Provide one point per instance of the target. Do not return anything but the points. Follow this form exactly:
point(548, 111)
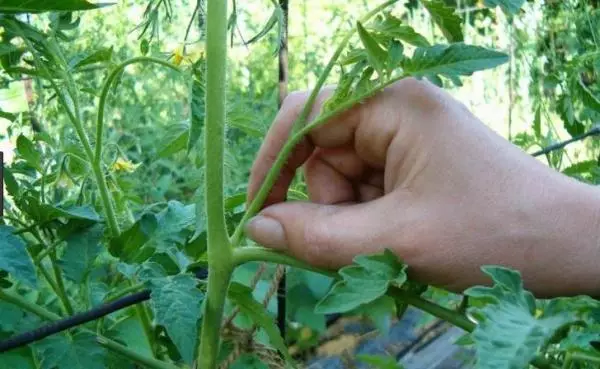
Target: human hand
point(412, 170)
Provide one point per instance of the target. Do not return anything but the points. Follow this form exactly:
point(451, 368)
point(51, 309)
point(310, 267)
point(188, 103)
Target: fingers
point(274, 141)
point(369, 128)
point(326, 236)
point(331, 175)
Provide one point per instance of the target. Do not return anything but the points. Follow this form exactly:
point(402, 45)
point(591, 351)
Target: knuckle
point(294, 99)
point(320, 241)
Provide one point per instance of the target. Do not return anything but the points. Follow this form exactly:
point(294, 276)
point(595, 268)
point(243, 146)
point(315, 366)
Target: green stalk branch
point(35, 309)
point(61, 290)
point(436, 310)
point(95, 158)
point(244, 255)
point(142, 315)
point(285, 152)
point(303, 116)
point(106, 89)
point(134, 356)
point(247, 254)
point(455, 318)
point(219, 248)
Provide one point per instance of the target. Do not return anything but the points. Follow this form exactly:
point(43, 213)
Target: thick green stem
point(31, 307)
point(210, 338)
point(219, 248)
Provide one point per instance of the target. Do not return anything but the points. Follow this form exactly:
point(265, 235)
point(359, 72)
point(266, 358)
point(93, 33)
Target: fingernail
point(267, 232)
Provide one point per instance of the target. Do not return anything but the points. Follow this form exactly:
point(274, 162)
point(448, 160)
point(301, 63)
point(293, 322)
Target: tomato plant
point(72, 257)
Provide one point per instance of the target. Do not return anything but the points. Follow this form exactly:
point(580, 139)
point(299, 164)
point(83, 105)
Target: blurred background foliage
point(534, 100)
point(548, 92)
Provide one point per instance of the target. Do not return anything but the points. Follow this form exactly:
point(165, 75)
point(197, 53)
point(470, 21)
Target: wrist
point(562, 258)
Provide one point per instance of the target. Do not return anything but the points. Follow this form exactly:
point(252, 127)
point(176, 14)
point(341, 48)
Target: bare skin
point(411, 169)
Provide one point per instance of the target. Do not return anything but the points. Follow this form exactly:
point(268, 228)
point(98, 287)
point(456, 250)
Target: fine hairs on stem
point(220, 246)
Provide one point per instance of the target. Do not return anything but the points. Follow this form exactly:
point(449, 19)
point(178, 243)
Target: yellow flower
point(124, 165)
point(64, 181)
point(178, 55)
point(305, 333)
point(188, 54)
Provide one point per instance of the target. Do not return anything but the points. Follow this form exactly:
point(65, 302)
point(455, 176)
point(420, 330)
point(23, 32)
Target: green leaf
point(99, 56)
point(581, 340)
point(395, 55)
point(581, 167)
point(130, 330)
point(172, 221)
point(380, 312)
point(80, 253)
point(36, 6)
point(366, 280)
point(376, 55)
point(46, 213)
point(345, 297)
point(131, 245)
point(276, 18)
point(446, 19)
point(587, 97)
point(198, 109)
point(537, 122)
point(8, 116)
point(20, 358)
point(508, 6)
point(10, 318)
point(391, 26)
point(12, 186)
point(73, 351)
point(177, 305)
point(144, 46)
point(379, 361)
point(248, 361)
point(508, 285)
point(452, 61)
point(14, 257)
point(242, 296)
point(27, 151)
point(175, 140)
point(510, 336)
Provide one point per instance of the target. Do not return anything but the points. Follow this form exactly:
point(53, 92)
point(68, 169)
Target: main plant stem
point(219, 247)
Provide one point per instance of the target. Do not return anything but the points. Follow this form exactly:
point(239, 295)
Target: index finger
point(276, 138)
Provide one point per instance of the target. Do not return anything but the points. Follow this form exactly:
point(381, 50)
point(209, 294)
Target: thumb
point(326, 236)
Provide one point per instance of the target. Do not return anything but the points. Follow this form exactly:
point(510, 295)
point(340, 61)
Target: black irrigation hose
point(136, 298)
point(79, 319)
point(595, 131)
point(73, 321)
